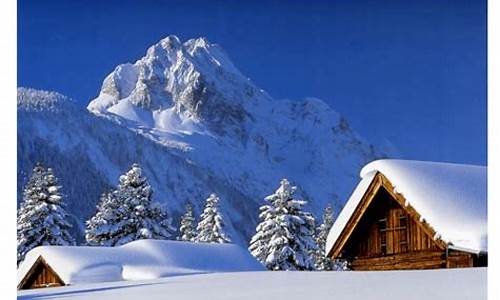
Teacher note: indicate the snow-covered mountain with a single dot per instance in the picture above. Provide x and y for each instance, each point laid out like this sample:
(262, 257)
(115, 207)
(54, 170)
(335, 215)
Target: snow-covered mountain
(197, 125)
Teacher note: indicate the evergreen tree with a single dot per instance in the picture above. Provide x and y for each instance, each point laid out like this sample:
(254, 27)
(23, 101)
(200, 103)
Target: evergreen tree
(128, 214)
(101, 227)
(324, 263)
(284, 239)
(211, 226)
(41, 218)
(187, 231)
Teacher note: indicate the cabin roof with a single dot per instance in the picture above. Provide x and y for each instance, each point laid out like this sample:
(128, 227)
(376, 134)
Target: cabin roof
(450, 197)
(139, 260)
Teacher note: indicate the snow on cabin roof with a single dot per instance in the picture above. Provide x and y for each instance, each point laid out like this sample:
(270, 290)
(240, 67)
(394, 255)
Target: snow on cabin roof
(450, 197)
(139, 260)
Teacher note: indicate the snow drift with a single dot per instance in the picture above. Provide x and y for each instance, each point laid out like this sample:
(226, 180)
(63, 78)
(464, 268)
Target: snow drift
(139, 260)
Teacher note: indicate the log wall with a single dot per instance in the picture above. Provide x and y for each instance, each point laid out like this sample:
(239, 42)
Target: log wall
(414, 261)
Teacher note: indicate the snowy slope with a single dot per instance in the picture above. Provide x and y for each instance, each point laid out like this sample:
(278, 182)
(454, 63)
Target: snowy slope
(451, 284)
(88, 154)
(201, 126)
(139, 260)
(450, 197)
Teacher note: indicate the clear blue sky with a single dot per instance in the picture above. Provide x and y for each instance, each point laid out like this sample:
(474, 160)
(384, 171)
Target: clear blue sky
(412, 72)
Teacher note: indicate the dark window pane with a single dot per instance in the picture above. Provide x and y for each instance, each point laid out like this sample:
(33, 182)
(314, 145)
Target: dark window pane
(382, 223)
(402, 237)
(402, 221)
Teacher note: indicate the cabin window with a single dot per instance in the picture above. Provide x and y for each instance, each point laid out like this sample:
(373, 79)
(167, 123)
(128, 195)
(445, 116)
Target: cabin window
(382, 223)
(403, 242)
(393, 233)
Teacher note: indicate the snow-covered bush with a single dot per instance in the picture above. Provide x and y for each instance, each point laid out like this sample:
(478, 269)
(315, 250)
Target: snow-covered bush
(341, 265)
(41, 218)
(211, 226)
(128, 214)
(284, 239)
(187, 232)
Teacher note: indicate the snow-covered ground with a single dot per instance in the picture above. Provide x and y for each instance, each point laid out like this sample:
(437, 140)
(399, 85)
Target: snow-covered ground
(453, 284)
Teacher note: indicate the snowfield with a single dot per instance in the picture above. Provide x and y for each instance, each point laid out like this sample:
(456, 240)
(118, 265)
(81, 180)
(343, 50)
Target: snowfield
(443, 284)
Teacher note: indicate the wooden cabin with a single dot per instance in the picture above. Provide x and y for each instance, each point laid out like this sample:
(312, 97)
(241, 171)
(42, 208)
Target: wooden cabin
(40, 275)
(388, 223)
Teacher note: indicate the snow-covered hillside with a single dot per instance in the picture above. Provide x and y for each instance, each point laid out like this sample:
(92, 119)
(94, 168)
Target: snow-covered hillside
(445, 284)
(197, 125)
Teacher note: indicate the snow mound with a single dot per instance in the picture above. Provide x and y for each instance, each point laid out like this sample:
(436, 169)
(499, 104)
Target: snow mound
(139, 260)
(450, 197)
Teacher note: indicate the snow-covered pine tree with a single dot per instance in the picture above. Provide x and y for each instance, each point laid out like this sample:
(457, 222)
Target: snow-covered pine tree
(128, 214)
(211, 226)
(187, 231)
(99, 227)
(324, 263)
(284, 239)
(41, 217)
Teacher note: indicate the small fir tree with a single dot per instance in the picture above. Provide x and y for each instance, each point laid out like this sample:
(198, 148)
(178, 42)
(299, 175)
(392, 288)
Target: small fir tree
(284, 239)
(324, 263)
(41, 218)
(187, 231)
(128, 214)
(211, 226)
(101, 227)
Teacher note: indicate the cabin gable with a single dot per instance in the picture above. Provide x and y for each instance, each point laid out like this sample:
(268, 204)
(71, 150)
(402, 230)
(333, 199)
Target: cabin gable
(386, 228)
(40, 275)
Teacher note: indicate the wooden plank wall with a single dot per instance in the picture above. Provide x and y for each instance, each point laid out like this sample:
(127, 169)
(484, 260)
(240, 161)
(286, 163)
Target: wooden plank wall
(414, 261)
(402, 234)
(421, 260)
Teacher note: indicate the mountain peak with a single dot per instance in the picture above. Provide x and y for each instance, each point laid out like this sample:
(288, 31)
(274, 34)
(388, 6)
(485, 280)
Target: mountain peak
(200, 42)
(191, 82)
(171, 41)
